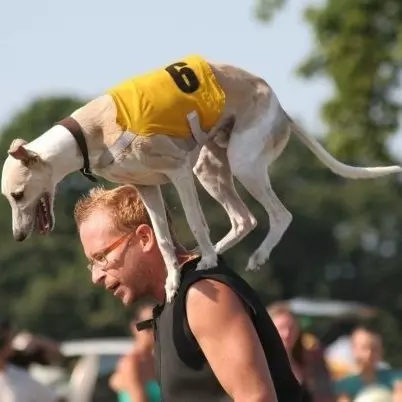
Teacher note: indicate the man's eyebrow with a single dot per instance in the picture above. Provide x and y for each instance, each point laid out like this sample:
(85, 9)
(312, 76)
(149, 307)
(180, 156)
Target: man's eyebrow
(97, 254)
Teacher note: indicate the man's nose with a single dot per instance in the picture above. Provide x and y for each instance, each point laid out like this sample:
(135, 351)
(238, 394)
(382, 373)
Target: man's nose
(98, 276)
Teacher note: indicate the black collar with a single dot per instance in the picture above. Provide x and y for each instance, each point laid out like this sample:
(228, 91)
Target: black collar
(76, 131)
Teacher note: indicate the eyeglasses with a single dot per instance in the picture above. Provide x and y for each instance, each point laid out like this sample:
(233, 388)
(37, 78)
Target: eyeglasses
(100, 259)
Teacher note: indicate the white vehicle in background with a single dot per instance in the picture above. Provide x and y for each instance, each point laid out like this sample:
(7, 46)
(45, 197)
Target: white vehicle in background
(85, 374)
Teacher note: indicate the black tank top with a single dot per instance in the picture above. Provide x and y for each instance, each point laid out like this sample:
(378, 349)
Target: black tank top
(182, 369)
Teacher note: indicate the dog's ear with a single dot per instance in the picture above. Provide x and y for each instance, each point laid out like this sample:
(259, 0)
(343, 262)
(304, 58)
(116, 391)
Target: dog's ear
(18, 151)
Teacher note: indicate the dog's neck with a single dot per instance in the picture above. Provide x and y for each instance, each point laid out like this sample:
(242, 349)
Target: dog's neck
(59, 148)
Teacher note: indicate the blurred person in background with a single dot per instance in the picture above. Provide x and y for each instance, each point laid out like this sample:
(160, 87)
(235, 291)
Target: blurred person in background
(28, 349)
(339, 352)
(134, 378)
(367, 348)
(16, 385)
(305, 354)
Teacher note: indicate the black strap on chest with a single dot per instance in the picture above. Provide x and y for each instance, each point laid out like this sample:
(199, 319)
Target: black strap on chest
(76, 131)
(147, 324)
(150, 323)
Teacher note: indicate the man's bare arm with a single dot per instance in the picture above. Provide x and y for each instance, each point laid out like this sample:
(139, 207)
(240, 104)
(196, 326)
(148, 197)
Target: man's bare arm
(127, 379)
(226, 335)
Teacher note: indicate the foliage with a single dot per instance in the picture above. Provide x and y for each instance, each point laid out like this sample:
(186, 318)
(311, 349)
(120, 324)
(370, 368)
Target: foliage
(357, 48)
(265, 9)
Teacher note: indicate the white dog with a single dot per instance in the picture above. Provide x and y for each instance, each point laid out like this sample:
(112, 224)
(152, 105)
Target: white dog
(215, 120)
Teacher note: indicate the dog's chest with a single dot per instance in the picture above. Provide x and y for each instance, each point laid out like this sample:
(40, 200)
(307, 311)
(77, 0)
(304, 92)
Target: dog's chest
(129, 170)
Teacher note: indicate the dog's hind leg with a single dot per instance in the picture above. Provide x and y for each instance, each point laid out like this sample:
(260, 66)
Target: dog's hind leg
(213, 172)
(250, 152)
(257, 182)
(153, 200)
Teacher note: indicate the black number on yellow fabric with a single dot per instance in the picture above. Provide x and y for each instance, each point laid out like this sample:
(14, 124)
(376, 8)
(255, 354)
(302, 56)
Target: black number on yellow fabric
(184, 77)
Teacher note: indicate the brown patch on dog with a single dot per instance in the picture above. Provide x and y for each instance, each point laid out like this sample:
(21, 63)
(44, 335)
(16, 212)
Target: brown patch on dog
(98, 121)
(228, 125)
(223, 132)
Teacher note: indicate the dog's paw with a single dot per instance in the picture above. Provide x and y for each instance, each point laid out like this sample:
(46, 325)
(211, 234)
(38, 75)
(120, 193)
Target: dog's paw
(207, 262)
(172, 284)
(170, 294)
(252, 265)
(257, 260)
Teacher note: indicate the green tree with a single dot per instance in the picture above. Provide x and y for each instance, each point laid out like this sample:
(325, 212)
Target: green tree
(358, 47)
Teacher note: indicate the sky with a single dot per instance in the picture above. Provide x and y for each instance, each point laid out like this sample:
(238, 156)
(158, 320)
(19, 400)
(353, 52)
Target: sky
(83, 47)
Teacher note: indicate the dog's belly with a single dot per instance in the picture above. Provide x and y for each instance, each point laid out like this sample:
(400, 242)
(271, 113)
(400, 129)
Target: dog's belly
(129, 173)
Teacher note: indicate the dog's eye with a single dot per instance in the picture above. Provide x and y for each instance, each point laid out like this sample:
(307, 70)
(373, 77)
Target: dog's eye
(18, 195)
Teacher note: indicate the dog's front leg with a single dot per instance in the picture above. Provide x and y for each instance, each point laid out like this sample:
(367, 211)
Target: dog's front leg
(183, 180)
(153, 201)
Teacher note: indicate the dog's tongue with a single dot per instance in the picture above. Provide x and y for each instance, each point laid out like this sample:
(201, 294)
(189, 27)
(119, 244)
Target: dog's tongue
(40, 221)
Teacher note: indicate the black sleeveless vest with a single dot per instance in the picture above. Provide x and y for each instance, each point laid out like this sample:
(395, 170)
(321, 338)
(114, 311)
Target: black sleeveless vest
(182, 369)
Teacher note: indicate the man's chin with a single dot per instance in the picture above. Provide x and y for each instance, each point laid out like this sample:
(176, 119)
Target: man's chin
(124, 295)
(127, 299)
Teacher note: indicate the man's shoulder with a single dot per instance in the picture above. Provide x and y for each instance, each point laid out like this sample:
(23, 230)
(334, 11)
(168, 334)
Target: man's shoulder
(24, 379)
(221, 272)
(208, 289)
(210, 302)
(348, 379)
(17, 372)
(389, 375)
(21, 376)
(218, 291)
(200, 284)
(349, 384)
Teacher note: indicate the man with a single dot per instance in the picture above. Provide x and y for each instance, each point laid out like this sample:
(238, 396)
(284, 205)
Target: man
(367, 351)
(215, 342)
(305, 354)
(16, 385)
(28, 349)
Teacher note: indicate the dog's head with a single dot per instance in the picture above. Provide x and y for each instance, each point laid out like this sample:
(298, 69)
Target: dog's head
(28, 186)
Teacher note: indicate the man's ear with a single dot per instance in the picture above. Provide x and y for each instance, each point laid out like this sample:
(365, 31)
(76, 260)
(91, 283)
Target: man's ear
(18, 151)
(145, 236)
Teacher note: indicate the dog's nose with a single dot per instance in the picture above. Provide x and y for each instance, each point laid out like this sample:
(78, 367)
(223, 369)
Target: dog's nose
(20, 236)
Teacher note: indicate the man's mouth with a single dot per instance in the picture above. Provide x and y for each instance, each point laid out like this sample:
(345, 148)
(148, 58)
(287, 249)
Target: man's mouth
(44, 218)
(113, 289)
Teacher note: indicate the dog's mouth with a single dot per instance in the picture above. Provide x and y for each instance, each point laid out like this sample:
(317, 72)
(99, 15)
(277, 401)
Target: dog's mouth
(44, 217)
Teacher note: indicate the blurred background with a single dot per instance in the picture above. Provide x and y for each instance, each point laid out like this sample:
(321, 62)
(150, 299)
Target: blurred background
(335, 66)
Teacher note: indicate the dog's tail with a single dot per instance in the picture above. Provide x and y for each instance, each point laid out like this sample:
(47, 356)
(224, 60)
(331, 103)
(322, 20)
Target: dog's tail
(336, 166)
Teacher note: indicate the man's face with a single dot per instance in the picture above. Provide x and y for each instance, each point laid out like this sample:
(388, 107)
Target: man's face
(288, 329)
(118, 259)
(367, 348)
